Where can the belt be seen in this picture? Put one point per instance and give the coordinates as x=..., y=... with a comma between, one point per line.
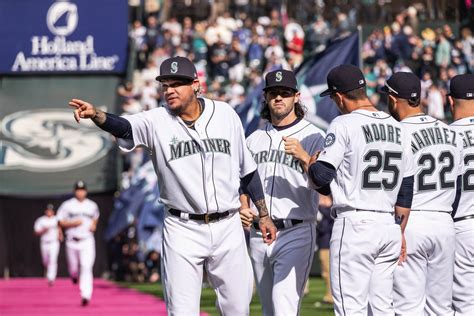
x=336, y=213
x=76, y=239
x=281, y=223
x=458, y=219
x=206, y=218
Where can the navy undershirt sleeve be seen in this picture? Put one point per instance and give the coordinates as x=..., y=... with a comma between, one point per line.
x=458, y=195
x=321, y=173
x=405, y=195
x=251, y=185
x=117, y=126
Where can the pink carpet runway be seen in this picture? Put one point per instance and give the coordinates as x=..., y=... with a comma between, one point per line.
x=33, y=297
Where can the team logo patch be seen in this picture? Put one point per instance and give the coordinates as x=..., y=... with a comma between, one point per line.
x=330, y=139
x=174, y=67
x=278, y=76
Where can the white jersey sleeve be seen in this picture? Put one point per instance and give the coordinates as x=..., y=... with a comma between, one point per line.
x=335, y=144
x=142, y=131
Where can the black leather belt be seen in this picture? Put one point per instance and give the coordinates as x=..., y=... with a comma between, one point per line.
x=280, y=223
x=458, y=219
x=206, y=218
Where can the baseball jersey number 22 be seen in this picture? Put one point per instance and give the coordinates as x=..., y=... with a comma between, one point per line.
x=382, y=162
x=430, y=168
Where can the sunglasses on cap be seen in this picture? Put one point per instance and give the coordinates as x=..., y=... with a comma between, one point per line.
x=284, y=93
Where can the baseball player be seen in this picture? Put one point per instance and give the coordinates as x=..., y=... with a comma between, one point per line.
x=368, y=164
x=200, y=157
x=79, y=216
x=281, y=269
x=461, y=99
x=47, y=227
x=423, y=284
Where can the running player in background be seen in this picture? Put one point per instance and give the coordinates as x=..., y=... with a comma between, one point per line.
x=200, y=158
x=369, y=166
x=423, y=284
x=461, y=99
x=78, y=216
x=281, y=149
x=47, y=228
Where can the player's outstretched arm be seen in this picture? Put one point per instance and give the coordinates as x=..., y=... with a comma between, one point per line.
x=85, y=110
x=115, y=125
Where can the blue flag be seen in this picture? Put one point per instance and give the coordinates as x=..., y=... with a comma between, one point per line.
x=312, y=73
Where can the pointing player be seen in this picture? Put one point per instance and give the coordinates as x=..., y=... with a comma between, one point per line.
x=368, y=164
x=461, y=99
x=423, y=284
x=200, y=158
x=281, y=269
x=47, y=227
x=79, y=216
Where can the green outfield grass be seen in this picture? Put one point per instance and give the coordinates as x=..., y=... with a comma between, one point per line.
x=208, y=297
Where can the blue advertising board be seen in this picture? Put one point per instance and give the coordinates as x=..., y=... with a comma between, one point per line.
x=63, y=36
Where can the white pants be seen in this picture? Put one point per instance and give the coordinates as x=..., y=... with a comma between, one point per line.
x=463, y=289
x=49, y=254
x=364, y=250
x=281, y=269
x=190, y=246
x=80, y=262
x=424, y=283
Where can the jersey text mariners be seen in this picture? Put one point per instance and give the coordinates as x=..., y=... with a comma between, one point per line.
x=438, y=156
x=275, y=166
x=371, y=154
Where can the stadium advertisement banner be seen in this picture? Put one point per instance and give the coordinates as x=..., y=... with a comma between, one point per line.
x=63, y=36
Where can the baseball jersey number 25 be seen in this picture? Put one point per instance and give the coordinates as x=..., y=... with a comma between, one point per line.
x=382, y=162
x=430, y=162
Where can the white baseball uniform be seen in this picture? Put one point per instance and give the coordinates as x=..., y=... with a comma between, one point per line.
x=423, y=284
x=282, y=268
x=199, y=172
x=463, y=289
x=371, y=155
x=49, y=243
x=80, y=243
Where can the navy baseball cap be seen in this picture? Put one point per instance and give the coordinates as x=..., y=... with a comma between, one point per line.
x=280, y=78
x=344, y=78
x=177, y=68
x=462, y=87
x=80, y=185
x=404, y=85
x=50, y=206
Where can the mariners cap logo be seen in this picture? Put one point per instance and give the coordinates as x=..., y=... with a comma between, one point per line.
x=278, y=76
x=469, y=95
x=361, y=81
x=174, y=67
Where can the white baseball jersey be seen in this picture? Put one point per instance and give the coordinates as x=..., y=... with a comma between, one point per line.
x=437, y=153
x=198, y=170
x=284, y=180
x=287, y=197
x=367, y=149
x=51, y=224
x=73, y=209
x=463, y=289
x=429, y=233
x=465, y=129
